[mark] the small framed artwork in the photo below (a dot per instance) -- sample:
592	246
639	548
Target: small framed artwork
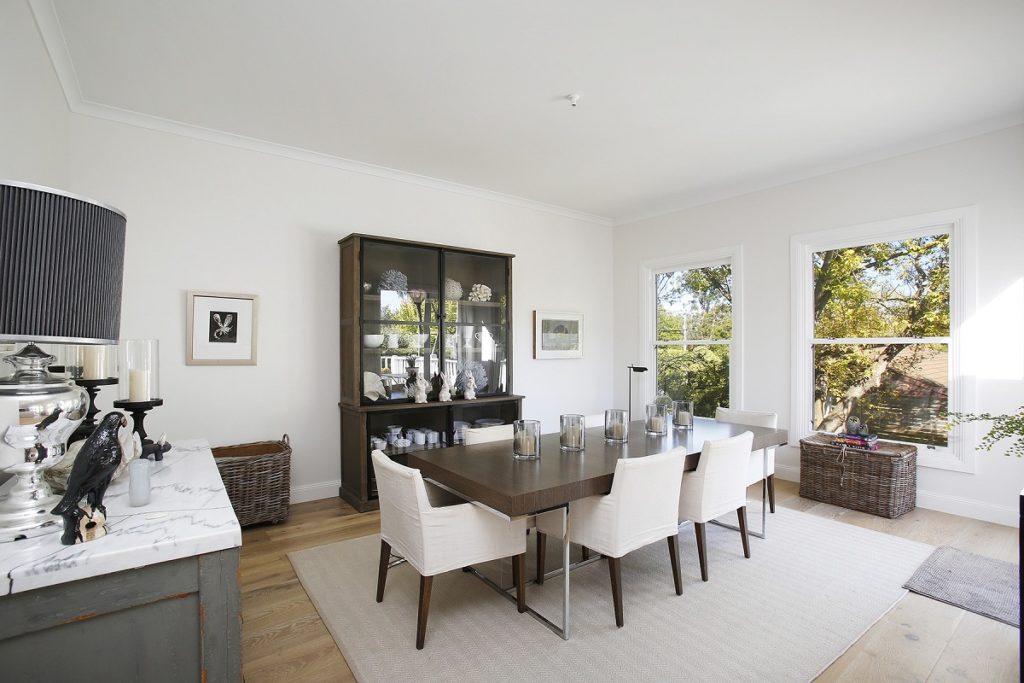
221	328
557	334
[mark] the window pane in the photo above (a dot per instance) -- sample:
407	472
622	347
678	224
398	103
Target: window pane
889	289
695	373
694	304
900	390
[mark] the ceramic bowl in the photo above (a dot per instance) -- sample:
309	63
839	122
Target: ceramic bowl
373	341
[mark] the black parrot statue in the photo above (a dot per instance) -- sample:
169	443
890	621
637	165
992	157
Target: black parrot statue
90	475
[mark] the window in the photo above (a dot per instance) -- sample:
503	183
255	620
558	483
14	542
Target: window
691	331
877	311
881	338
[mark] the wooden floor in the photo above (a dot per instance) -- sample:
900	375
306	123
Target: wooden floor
283	638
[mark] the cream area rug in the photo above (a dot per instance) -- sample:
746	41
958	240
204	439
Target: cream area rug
808	592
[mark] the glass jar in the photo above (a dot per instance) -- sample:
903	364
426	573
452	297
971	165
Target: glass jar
140	370
657	419
682	414
526	439
573	428
616	425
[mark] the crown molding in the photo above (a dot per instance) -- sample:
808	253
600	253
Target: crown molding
713	195
56	46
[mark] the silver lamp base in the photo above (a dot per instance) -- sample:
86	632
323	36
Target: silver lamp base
25	504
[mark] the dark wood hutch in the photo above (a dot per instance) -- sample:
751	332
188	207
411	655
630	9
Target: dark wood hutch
437	308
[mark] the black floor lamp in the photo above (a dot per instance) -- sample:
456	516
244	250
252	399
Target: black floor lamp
632	369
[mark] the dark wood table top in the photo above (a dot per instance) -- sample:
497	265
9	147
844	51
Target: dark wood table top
488	473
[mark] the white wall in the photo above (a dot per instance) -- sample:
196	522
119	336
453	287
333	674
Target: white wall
33	113
986	171
210	216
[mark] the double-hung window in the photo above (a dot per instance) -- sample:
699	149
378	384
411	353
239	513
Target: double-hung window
692	308
878	312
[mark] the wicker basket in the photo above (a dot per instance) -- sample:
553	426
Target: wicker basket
257	477
882	482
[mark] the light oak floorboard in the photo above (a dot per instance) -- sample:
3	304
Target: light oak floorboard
283	637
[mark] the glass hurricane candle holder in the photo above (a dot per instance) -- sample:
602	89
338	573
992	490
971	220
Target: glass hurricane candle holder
682	414
572	431
616	425
526	439
140	370
98	361
657	419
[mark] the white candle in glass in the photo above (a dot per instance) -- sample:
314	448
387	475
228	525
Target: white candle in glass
138	385
94	363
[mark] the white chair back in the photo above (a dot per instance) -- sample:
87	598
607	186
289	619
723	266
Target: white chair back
486	434
719	483
644	501
747	417
403	500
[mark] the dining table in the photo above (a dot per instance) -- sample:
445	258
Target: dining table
488	475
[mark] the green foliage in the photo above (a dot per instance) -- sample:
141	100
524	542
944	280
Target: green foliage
888	289
695	373
1003	427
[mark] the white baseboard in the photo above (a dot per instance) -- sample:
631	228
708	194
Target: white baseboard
318	491
943	502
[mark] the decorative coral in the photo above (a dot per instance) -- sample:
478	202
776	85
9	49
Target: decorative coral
479	292
394	281
452	289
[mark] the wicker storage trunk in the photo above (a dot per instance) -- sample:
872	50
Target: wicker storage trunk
257	477
882	482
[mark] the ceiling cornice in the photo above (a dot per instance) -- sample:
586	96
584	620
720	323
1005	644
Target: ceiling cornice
53	39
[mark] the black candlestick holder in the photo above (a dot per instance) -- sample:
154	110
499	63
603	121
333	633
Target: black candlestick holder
138	409
92	387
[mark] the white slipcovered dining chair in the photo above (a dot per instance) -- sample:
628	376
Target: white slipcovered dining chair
716	487
755	466
641	508
487	434
436	532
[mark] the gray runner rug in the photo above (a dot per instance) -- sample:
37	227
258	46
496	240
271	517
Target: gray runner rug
977	584
807	593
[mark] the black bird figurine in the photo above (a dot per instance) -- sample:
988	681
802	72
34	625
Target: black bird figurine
90	475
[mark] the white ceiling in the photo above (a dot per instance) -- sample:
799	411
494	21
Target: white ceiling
680	101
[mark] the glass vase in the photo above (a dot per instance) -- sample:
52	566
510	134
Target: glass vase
682	414
656	423
572	429
616	425
139	370
526	439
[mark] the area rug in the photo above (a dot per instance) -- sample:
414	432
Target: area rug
808	592
972	582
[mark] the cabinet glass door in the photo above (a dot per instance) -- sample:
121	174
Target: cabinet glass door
476	321
400	305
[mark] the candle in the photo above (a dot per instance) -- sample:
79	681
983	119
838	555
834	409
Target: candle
138	385
94	362
618	430
657	424
138	482
683	418
573	436
526	446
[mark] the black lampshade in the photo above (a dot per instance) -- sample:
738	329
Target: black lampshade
61	266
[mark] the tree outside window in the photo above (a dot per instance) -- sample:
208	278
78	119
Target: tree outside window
694	335
881	338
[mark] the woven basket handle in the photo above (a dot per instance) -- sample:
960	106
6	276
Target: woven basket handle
287	440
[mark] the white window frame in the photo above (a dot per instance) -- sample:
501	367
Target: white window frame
731	256
960	223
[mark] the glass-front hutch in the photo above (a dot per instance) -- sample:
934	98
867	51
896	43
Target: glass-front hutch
408	309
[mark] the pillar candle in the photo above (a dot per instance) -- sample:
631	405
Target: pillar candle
94	363
138	385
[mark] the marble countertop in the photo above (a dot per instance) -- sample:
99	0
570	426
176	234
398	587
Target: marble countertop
189	514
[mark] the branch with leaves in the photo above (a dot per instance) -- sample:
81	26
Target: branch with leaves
1003	427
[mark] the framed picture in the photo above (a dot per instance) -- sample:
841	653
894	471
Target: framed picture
557	334
221	328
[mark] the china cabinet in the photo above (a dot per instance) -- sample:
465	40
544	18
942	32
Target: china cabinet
408	310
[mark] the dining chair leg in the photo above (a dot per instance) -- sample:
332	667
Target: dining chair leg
742	514
518	574
771	493
615	571
702	549
421	617
542	550
382	571
673	553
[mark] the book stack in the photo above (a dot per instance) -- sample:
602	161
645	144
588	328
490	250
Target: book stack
868	443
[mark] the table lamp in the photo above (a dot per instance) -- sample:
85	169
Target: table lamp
60	283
